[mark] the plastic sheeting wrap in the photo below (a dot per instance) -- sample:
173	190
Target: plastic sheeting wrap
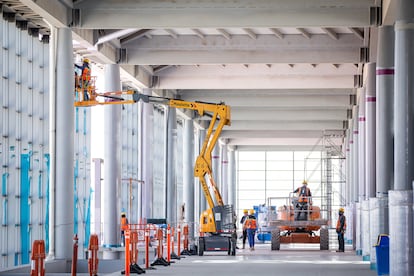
349	223
365	225
401	232
374	229
358	235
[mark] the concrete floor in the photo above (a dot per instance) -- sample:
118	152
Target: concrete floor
292	260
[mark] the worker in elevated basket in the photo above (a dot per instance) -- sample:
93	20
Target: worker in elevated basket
340	229
84	78
304	200
251	226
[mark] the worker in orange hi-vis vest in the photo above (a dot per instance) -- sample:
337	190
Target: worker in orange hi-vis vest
84	78
251	226
340	230
304	200
124	226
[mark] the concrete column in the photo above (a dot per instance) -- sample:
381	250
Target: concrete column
171	183
96	219
224	172
385	110
365	239
188	174
112	159
215	165
401	233
146	161
361	145
64	219
355	160
370	128
385	130
404	96
357	230
203	201
232	177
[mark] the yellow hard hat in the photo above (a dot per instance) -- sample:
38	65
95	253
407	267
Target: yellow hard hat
245	211
123	214
86	60
342	210
305	182
251	212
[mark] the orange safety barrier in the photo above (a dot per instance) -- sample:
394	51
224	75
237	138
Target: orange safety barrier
160	260
172	254
38	258
127	257
168	243
186	250
136	233
93	255
75	255
179	241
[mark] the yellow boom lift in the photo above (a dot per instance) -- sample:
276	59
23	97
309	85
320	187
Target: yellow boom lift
217	226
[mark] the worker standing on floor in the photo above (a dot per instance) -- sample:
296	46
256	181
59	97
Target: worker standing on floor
243	223
124	227
340	230
251	226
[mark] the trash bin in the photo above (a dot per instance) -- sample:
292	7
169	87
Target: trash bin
382	249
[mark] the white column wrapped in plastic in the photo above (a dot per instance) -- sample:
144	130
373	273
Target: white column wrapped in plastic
146	161
385	110
188	174
361	145
112	179
374	222
224	171
232	176
64	145
370	128
358	227
404	96
355	160
365	239
171	182
401	233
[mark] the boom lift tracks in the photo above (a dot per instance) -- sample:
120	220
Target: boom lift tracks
217	225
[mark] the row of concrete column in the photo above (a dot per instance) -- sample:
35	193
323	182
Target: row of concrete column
380	153
194	202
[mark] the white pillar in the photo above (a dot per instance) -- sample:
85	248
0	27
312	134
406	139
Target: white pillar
112	176
188	175
64	145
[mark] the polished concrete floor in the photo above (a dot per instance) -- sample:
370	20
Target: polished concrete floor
291	260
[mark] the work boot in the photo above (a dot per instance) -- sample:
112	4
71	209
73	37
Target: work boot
244	246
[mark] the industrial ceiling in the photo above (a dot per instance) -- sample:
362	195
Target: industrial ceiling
289	69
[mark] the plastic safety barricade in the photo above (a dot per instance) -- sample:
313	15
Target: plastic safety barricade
38	258
160	249
186	250
93	255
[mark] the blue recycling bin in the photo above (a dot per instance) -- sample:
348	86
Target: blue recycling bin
382	249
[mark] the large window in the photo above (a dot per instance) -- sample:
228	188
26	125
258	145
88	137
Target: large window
275	174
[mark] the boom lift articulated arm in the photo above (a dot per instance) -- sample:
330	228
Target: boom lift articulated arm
220	114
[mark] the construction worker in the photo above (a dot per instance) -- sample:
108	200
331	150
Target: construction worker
243	223
304	200
340	229
251	226
124	227
85	78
